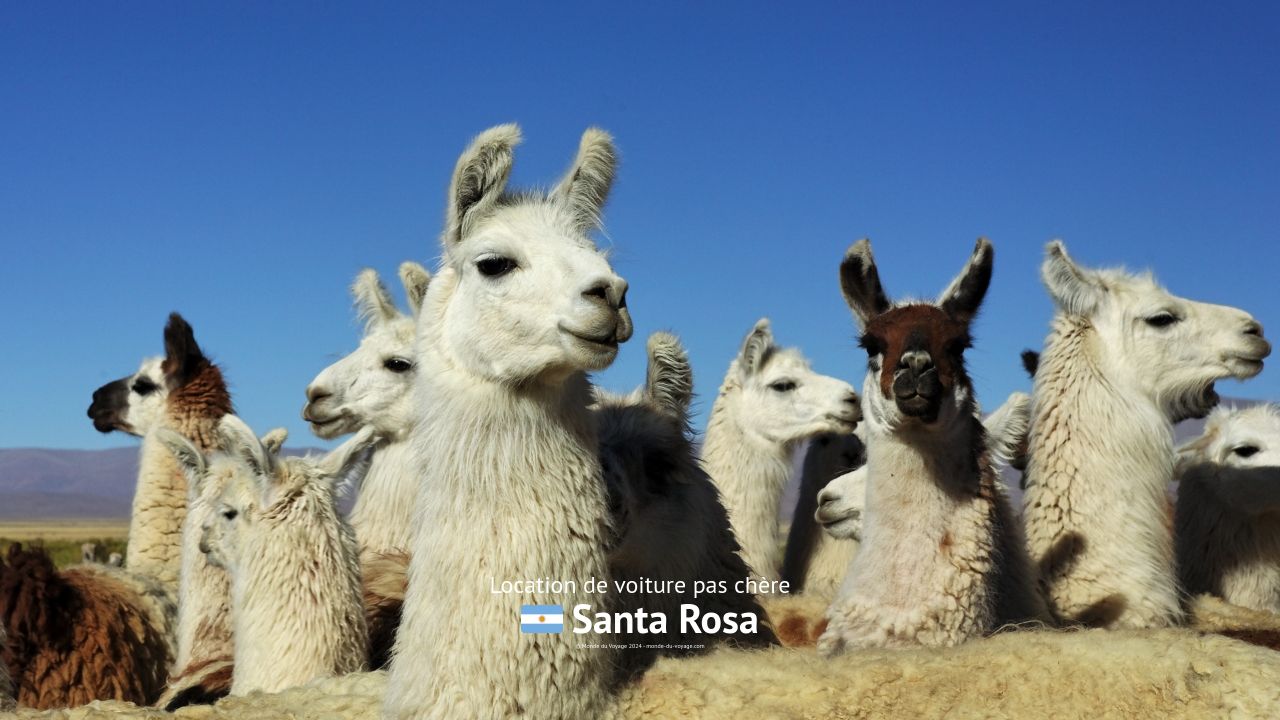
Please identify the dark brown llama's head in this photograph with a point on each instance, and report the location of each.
(915, 350)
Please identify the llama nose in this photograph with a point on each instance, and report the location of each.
(1253, 327)
(611, 292)
(315, 393)
(918, 361)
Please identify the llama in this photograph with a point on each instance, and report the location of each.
(95, 631)
(297, 611)
(203, 657)
(769, 403)
(522, 307)
(814, 562)
(942, 559)
(1124, 361)
(667, 516)
(1228, 512)
(371, 387)
(193, 396)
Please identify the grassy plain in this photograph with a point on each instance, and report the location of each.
(63, 538)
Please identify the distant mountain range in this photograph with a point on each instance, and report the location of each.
(38, 483)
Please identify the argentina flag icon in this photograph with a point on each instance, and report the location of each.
(541, 618)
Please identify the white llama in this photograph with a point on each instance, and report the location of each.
(204, 648)
(942, 559)
(769, 403)
(1124, 361)
(510, 485)
(297, 612)
(815, 562)
(668, 521)
(1228, 513)
(371, 386)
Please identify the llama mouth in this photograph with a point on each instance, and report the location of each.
(843, 526)
(1243, 368)
(845, 423)
(324, 427)
(608, 342)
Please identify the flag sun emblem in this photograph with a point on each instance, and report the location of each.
(539, 619)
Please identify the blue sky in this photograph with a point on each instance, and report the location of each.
(240, 162)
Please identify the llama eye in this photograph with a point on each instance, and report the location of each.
(397, 365)
(871, 344)
(143, 386)
(782, 386)
(495, 266)
(1245, 451)
(1160, 320)
(230, 514)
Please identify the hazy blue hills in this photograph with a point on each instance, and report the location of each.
(39, 483)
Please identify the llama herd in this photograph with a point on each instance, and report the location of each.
(481, 451)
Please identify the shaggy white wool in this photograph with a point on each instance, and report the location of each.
(383, 513)
(204, 597)
(297, 605)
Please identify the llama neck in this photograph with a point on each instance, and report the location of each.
(751, 475)
(510, 489)
(1101, 459)
(296, 598)
(159, 508)
(926, 470)
(204, 594)
(383, 514)
(160, 498)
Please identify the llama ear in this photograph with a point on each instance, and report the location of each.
(668, 383)
(756, 348)
(860, 283)
(585, 188)
(189, 458)
(182, 355)
(1008, 426)
(478, 180)
(238, 439)
(1075, 290)
(1030, 362)
(415, 279)
(964, 295)
(274, 440)
(373, 301)
(351, 457)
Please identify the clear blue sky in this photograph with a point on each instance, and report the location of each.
(240, 163)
